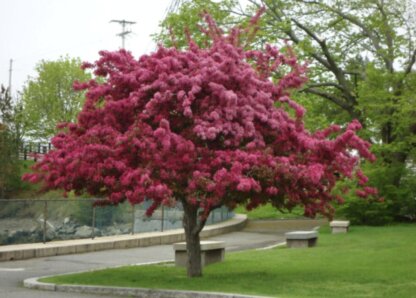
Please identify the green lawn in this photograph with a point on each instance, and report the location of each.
(367, 262)
(269, 212)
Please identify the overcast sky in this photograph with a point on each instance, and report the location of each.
(32, 30)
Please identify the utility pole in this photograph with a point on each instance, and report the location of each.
(10, 76)
(123, 33)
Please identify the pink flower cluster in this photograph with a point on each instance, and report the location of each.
(205, 126)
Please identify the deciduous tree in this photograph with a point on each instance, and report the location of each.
(49, 98)
(9, 167)
(205, 127)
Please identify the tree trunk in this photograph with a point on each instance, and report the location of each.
(193, 247)
(398, 161)
(396, 158)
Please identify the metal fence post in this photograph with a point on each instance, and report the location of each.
(162, 218)
(133, 221)
(45, 218)
(93, 223)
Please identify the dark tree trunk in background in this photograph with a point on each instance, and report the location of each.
(394, 159)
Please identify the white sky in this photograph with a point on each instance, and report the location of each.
(32, 30)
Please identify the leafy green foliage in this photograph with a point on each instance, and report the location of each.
(50, 99)
(189, 20)
(397, 204)
(269, 212)
(9, 166)
(361, 212)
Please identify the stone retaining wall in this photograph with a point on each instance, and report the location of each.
(283, 225)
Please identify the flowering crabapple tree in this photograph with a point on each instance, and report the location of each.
(206, 127)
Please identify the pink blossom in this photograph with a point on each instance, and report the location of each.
(371, 190)
(361, 193)
(362, 179)
(272, 190)
(204, 126)
(354, 125)
(159, 132)
(244, 185)
(315, 172)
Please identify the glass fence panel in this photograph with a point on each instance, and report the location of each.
(113, 220)
(144, 223)
(30, 221)
(219, 215)
(21, 222)
(68, 219)
(173, 217)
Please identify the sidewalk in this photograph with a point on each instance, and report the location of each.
(55, 248)
(12, 273)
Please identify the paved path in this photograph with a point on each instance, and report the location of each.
(13, 273)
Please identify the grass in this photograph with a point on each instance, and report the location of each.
(269, 212)
(367, 262)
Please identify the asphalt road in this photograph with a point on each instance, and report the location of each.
(13, 273)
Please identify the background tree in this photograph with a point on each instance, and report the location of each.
(9, 141)
(205, 127)
(361, 56)
(50, 98)
(189, 20)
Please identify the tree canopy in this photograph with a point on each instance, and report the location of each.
(205, 127)
(9, 173)
(49, 98)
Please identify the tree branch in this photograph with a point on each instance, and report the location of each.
(367, 32)
(327, 84)
(322, 44)
(387, 33)
(411, 63)
(333, 67)
(289, 32)
(334, 99)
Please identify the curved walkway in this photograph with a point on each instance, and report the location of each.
(12, 273)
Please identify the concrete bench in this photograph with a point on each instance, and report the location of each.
(301, 239)
(211, 252)
(339, 226)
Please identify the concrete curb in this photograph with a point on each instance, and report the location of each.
(33, 283)
(55, 248)
(237, 223)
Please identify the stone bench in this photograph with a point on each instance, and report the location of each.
(211, 252)
(301, 239)
(339, 226)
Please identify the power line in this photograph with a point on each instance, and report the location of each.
(124, 32)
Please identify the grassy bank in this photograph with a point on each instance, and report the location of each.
(269, 212)
(367, 262)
